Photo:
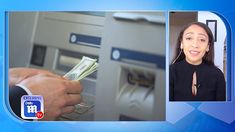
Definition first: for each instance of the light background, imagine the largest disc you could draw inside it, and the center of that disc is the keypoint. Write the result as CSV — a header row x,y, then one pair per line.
x,y
180,116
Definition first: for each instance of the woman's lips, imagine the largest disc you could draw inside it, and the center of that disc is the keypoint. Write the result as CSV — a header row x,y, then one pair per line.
x,y
194,52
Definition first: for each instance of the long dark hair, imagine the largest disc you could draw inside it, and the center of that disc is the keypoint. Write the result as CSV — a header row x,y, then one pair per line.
x,y
208,57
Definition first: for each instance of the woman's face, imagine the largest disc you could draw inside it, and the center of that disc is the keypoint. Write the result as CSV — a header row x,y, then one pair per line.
x,y
195,44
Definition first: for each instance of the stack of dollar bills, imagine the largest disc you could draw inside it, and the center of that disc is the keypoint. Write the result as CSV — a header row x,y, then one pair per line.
x,y
84,68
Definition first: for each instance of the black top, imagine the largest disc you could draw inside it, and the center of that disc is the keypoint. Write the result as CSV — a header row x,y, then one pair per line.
x,y
210,82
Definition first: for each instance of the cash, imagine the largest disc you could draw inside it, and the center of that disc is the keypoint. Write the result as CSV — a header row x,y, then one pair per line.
x,y
84,68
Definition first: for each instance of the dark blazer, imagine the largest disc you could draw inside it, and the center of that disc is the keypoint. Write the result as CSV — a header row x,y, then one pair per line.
x,y
15,94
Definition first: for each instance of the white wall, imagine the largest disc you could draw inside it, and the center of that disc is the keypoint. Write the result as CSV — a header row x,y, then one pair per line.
x,y
221,34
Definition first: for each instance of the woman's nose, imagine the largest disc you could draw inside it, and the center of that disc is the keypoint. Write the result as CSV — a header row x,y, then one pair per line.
x,y
195,44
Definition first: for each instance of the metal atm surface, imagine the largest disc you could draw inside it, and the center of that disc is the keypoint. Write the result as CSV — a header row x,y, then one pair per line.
x,y
131,77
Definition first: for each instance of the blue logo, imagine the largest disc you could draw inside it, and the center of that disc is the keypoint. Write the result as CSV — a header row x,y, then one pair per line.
x,y
32,107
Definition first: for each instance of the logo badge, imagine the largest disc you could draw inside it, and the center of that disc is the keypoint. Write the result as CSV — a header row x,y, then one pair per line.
x,y
32,107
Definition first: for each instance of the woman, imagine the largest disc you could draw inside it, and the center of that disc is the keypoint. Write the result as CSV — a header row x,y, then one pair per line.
x,y
193,75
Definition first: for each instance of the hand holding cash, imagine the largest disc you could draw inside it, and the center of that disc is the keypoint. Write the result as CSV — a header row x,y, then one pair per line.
x,y
84,68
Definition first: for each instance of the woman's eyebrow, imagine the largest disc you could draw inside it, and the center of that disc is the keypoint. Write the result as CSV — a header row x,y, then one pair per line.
x,y
189,33
202,34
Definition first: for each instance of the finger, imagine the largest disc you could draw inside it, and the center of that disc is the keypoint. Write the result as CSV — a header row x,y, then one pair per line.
x,y
73,87
73,99
49,74
68,109
12,81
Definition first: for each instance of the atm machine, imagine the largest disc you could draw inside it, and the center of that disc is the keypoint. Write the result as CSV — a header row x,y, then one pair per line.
x,y
130,48
131,75
59,41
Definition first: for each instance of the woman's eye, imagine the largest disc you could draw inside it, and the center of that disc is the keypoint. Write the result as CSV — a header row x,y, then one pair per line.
x,y
188,38
202,40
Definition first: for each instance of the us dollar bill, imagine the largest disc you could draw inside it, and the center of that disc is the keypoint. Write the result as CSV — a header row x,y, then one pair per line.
x,y
84,68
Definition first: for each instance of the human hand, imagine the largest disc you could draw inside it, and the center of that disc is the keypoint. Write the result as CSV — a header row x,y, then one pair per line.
x,y
16,75
59,94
